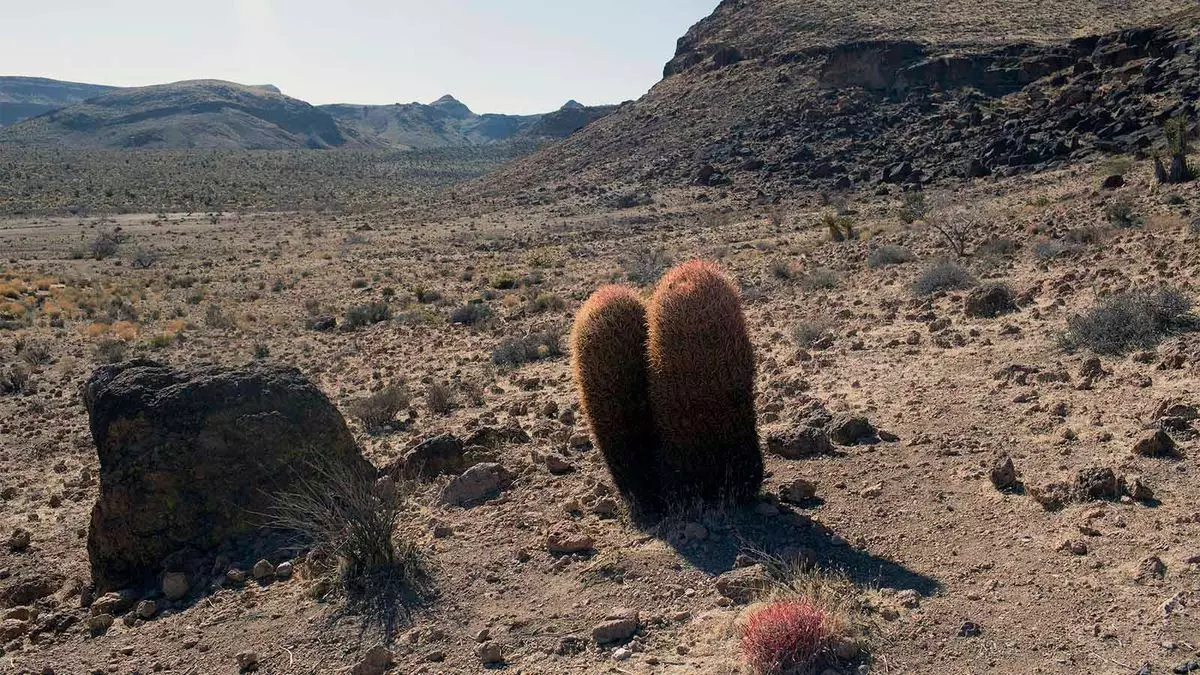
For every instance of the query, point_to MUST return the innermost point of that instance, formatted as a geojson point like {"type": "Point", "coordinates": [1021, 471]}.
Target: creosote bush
{"type": "Point", "coordinates": [1138, 319]}
{"type": "Point", "coordinates": [890, 254]}
{"type": "Point", "coordinates": [809, 334]}
{"type": "Point", "coordinates": [366, 314]}
{"type": "Point", "coordinates": [943, 276]}
{"type": "Point", "coordinates": [470, 314]}
{"type": "Point", "coordinates": [820, 279]}
{"type": "Point", "coordinates": [440, 398]}
{"type": "Point", "coordinates": [379, 409]}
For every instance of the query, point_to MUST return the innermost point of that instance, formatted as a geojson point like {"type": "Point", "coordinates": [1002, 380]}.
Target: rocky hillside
{"type": "Point", "coordinates": [449, 123]}
{"type": "Point", "coordinates": [771, 95]}
{"type": "Point", "coordinates": [192, 114]}
{"type": "Point", "coordinates": [25, 97]}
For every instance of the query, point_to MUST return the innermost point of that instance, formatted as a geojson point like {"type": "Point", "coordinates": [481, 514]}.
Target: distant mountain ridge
{"type": "Point", "coordinates": [25, 97]}
{"type": "Point", "coordinates": [223, 115]}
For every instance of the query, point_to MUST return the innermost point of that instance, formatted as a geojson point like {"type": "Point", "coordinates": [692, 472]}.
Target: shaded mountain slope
{"type": "Point", "coordinates": [777, 95]}
{"type": "Point", "coordinates": [25, 97]}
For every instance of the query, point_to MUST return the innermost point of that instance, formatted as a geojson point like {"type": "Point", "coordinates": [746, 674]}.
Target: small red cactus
{"type": "Point", "coordinates": [785, 636]}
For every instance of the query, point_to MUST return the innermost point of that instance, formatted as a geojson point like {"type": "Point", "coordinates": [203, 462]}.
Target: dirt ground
{"type": "Point", "coordinates": [915, 514]}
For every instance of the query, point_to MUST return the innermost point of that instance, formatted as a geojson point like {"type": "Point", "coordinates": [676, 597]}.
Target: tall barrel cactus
{"type": "Point", "coordinates": [669, 391]}
{"type": "Point", "coordinates": [701, 367]}
{"type": "Point", "coordinates": [608, 347]}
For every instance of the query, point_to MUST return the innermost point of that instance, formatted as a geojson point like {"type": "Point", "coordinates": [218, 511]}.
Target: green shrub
{"type": "Point", "coordinates": [366, 314]}
{"type": "Point", "coordinates": [1120, 213]}
{"type": "Point", "coordinates": [470, 314]}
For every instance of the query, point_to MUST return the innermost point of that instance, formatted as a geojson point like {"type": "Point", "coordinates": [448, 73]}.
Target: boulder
{"type": "Point", "coordinates": [799, 442]}
{"type": "Point", "coordinates": [1157, 444]}
{"type": "Point", "coordinates": [744, 584]}
{"type": "Point", "coordinates": [192, 458]}
{"type": "Point", "coordinates": [476, 484]}
{"type": "Point", "coordinates": [989, 301]}
{"type": "Point", "coordinates": [852, 430]}
{"type": "Point", "coordinates": [435, 456]}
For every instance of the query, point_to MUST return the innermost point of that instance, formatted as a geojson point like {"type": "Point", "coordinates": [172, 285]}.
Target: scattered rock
{"type": "Point", "coordinates": [376, 662]}
{"type": "Point", "coordinates": [146, 609]}
{"type": "Point", "coordinates": [175, 585]}
{"type": "Point", "coordinates": [1158, 444]}
{"type": "Point", "coordinates": [100, 623]}
{"type": "Point", "coordinates": [564, 539]}
{"type": "Point", "coordinates": [1151, 568]}
{"type": "Point", "coordinates": [208, 445]}
{"type": "Point", "coordinates": [797, 491]}
{"type": "Point", "coordinates": [263, 569]}
{"type": "Point", "coordinates": [557, 465]}
{"type": "Point", "coordinates": [12, 629]}
{"type": "Point", "coordinates": [247, 661]}
{"type": "Point", "coordinates": [989, 301]}
{"type": "Point", "coordinates": [440, 455]}
{"type": "Point", "coordinates": [493, 437]}
{"type": "Point", "coordinates": [19, 540]}
{"type": "Point", "coordinates": [1004, 474]}
{"type": "Point", "coordinates": [1094, 484]}
{"type": "Point", "coordinates": [620, 625]}
{"type": "Point", "coordinates": [851, 430]}
{"type": "Point", "coordinates": [744, 584]}
{"type": "Point", "coordinates": [476, 484]}
{"type": "Point", "coordinates": [1074, 546]}
{"type": "Point", "coordinates": [283, 570]}
{"type": "Point", "coordinates": [490, 653]}
{"type": "Point", "coordinates": [799, 443]}
{"type": "Point", "coordinates": [970, 629]}
{"type": "Point", "coordinates": [1136, 488]}
{"type": "Point", "coordinates": [1052, 496]}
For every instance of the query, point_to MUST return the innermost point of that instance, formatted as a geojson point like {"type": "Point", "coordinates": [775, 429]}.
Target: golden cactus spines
{"type": "Point", "coordinates": [608, 348]}
{"type": "Point", "coordinates": [701, 377]}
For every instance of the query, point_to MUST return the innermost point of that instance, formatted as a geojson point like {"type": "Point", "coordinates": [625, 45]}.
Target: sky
{"type": "Point", "coordinates": [506, 56]}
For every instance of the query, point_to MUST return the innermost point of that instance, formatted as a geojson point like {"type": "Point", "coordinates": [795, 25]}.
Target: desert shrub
{"type": "Point", "coordinates": [997, 247]}
{"type": "Point", "coordinates": [783, 270]}
{"type": "Point", "coordinates": [110, 351]}
{"type": "Point", "coordinates": [1086, 236]}
{"type": "Point", "coordinates": [106, 244]}
{"type": "Point", "coordinates": [545, 302]}
{"type": "Point", "coordinates": [426, 296]}
{"type": "Point", "coordinates": [645, 266]}
{"type": "Point", "coordinates": [943, 276]}
{"type": "Point", "coordinates": [1194, 226]}
{"type": "Point", "coordinates": [15, 379]}
{"type": "Point", "coordinates": [143, 259]}
{"type": "Point", "coordinates": [1137, 319]}
{"type": "Point", "coordinates": [1178, 134]}
{"type": "Point", "coordinates": [215, 317]}
{"type": "Point", "coordinates": [914, 208]}
{"type": "Point", "coordinates": [367, 314]}
{"type": "Point", "coordinates": [359, 283]}
{"type": "Point", "coordinates": [261, 351]}
{"type": "Point", "coordinates": [343, 514]}
{"type": "Point", "coordinates": [840, 227]}
{"type": "Point", "coordinates": [821, 278]}
{"type": "Point", "coordinates": [470, 314]}
{"type": "Point", "coordinates": [533, 347]}
{"type": "Point", "coordinates": [1049, 249]}
{"type": "Point", "coordinates": [33, 352]}
{"type": "Point", "coordinates": [380, 409]}
{"type": "Point", "coordinates": [1120, 213]}
{"type": "Point", "coordinates": [504, 282]}
{"type": "Point", "coordinates": [890, 254]}
{"type": "Point", "coordinates": [808, 334]}
{"type": "Point", "coordinates": [956, 225]}
{"type": "Point", "coordinates": [440, 398]}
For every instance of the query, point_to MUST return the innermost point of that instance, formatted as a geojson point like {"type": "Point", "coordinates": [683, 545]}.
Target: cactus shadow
{"type": "Point", "coordinates": [789, 536]}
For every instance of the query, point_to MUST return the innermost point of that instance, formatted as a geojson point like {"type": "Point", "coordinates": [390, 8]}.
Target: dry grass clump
{"type": "Point", "coordinates": [813, 332]}
{"type": "Point", "coordinates": [440, 398]}
{"type": "Point", "coordinates": [379, 409]}
{"type": "Point", "coordinates": [820, 279]}
{"type": "Point", "coordinates": [943, 276]}
{"type": "Point", "coordinates": [809, 621]}
{"type": "Point", "coordinates": [1138, 319]}
{"type": "Point", "coordinates": [890, 254]}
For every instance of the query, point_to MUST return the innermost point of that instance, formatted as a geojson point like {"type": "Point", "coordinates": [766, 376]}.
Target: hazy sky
{"type": "Point", "coordinates": [513, 56]}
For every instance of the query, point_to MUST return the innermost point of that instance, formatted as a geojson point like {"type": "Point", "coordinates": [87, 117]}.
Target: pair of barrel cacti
{"type": "Point", "coordinates": [668, 390]}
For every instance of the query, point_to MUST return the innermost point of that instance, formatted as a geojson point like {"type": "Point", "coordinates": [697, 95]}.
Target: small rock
{"type": "Point", "coordinates": [440, 455]}
{"type": "Point", "coordinates": [1074, 546]}
{"type": "Point", "coordinates": [113, 603]}
{"type": "Point", "coordinates": [797, 491]}
{"type": "Point", "coordinates": [606, 507]}
{"type": "Point", "coordinates": [570, 646]}
{"type": "Point", "coordinates": [563, 538]}
{"type": "Point", "coordinates": [146, 609]}
{"type": "Point", "coordinates": [1158, 444]}
{"type": "Point", "coordinates": [1112, 182]}
{"type": "Point", "coordinates": [871, 492]}
{"type": "Point", "coordinates": [695, 532]}
{"type": "Point", "coordinates": [490, 653]}
{"type": "Point", "coordinates": [799, 443]}
{"type": "Point", "coordinates": [619, 626]}
{"type": "Point", "coordinates": [12, 629]}
{"type": "Point", "coordinates": [476, 484]}
{"type": "Point", "coordinates": [1052, 496]}
{"type": "Point", "coordinates": [557, 465]}
{"type": "Point", "coordinates": [851, 430]}
{"type": "Point", "coordinates": [283, 570]}
{"type": "Point", "coordinates": [1004, 474]}
{"type": "Point", "coordinates": [744, 584]}
{"type": "Point", "coordinates": [235, 576]}
{"type": "Point", "coordinates": [263, 569]}
{"type": "Point", "coordinates": [247, 661]}
{"type": "Point", "coordinates": [100, 623]}
{"type": "Point", "coordinates": [175, 585]}
{"type": "Point", "coordinates": [622, 654]}
{"type": "Point", "coordinates": [970, 629]}
{"type": "Point", "coordinates": [1137, 489]}
{"type": "Point", "coordinates": [1096, 484]}
{"type": "Point", "coordinates": [19, 541]}
{"type": "Point", "coordinates": [989, 301]}
{"type": "Point", "coordinates": [376, 662]}
{"type": "Point", "coordinates": [1150, 569]}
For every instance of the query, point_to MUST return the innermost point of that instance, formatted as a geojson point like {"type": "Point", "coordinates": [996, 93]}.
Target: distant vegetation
{"type": "Point", "coordinates": [82, 182]}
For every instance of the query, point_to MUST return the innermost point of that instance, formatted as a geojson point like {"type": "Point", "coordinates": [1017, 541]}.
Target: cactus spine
{"type": "Point", "coordinates": [608, 347]}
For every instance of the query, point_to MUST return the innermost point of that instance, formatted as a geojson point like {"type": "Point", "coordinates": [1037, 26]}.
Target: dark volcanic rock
{"type": "Point", "coordinates": [191, 458]}
{"type": "Point", "coordinates": [799, 442]}
{"type": "Point", "coordinates": [989, 301]}
{"type": "Point", "coordinates": [433, 457]}
{"type": "Point", "coordinates": [852, 430]}
{"type": "Point", "coordinates": [1097, 484]}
